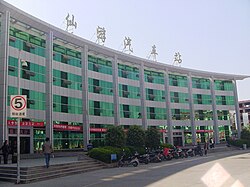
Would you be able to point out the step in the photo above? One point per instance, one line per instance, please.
(29, 174)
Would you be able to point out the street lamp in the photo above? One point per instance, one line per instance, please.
(23, 64)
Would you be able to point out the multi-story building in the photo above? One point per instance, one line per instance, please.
(76, 89)
(244, 112)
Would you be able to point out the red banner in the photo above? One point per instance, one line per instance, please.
(199, 131)
(25, 123)
(63, 127)
(98, 130)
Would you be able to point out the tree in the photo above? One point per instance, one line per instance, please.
(153, 138)
(115, 137)
(245, 133)
(136, 136)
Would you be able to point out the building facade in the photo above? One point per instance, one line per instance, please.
(244, 112)
(76, 89)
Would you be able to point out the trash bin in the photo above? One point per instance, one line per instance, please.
(14, 158)
(244, 146)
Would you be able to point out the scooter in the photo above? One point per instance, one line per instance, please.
(133, 160)
(143, 158)
(198, 151)
(190, 152)
(168, 154)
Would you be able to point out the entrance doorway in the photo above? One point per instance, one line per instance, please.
(24, 144)
(177, 141)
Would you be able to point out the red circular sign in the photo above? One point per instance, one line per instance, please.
(18, 103)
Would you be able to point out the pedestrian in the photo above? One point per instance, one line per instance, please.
(13, 148)
(205, 148)
(5, 150)
(89, 146)
(47, 150)
(211, 143)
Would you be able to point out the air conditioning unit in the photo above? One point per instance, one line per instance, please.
(67, 82)
(151, 96)
(97, 88)
(124, 73)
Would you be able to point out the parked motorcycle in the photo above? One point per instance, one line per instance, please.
(167, 154)
(190, 152)
(143, 158)
(198, 150)
(133, 160)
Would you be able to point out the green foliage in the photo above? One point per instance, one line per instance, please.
(167, 145)
(239, 143)
(136, 136)
(132, 150)
(104, 153)
(152, 140)
(115, 137)
(245, 133)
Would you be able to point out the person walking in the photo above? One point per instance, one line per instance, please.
(5, 150)
(47, 150)
(205, 148)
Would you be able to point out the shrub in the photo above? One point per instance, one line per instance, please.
(239, 143)
(115, 137)
(136, 136)
(104, 153)
(152, 138)
(245, 133)
(167, 145)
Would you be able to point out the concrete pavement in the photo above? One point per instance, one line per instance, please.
(181, 172)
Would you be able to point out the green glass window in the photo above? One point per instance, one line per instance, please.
(202, 99)
(203, 114)
(179, 97)
(98, 108)
(180, 114)
(32, 72)
(67, 140)
(156, 113)
(129, 91)
(67, 104)
(155, 95)
(130, 111)
(66, 55)
(99, 65)
(67, 80)
(224, 132)
(128, 72)
(11, 91)
(27, 42)
(153, 77)
(223, 115)
(35, 100)
(200, 83)
(100, 86)
(223, 85)
(224, 100)
(178, 80)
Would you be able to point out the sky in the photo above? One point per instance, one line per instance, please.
(211, 35)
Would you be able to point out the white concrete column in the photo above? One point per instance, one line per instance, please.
(191, 107)
(168, 107)
(85, 102)
(143, 97)
(4, 54)
(49, 86)
(116, 92)
(215, 114)
(237, 110)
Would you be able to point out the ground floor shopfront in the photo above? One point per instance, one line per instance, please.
(68, 137)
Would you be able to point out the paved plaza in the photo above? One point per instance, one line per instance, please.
(219, 169)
